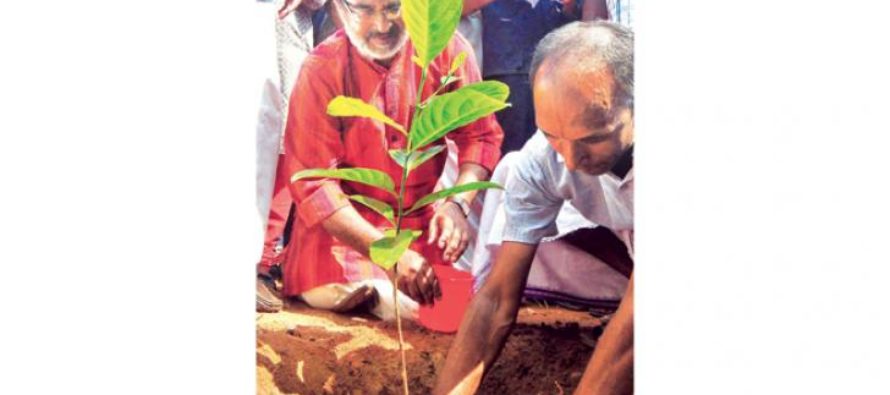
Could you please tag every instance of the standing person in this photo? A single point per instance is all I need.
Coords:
(470, 27)
(620, 11)
(370, 59)
(294, 36)
(582, 76)
(510, 31)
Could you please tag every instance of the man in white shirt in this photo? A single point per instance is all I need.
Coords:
(582, 77)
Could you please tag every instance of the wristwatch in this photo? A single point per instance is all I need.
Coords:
(460, 202)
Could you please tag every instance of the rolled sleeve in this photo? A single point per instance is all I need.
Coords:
(530, 206)
(483, 146)
(320, 204)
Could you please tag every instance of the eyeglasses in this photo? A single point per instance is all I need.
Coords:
(362, 11)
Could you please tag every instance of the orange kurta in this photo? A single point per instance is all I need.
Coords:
(315, 140)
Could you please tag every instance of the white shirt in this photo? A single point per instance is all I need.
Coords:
(540, 184)
(293, 42)
(557, 267)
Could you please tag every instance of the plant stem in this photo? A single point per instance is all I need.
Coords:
(395, 296)
(395, 288)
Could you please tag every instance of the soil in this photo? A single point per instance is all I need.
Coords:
(306, 351)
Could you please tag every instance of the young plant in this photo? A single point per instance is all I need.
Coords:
(430, 25)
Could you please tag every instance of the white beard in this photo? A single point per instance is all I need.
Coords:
(368, 53)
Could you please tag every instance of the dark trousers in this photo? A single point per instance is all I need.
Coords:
(518, 120)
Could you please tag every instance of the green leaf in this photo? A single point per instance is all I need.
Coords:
(390, 232)
(421, 156)
(455, 109)
(414, 159)
(493, 89)
(378, 206)
(457, 62)
(430, 25)
(342, 106)
(372, 177)
(472, 186)
(448, 80)
(401, 157)
(387, 251)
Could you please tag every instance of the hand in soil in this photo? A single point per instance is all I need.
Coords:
(417, 279)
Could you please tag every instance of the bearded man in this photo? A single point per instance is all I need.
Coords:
(370, 59)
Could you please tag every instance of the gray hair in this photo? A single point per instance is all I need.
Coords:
(589, 46)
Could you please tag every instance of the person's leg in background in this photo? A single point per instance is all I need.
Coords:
(294, 41)
(518, 120)
(267, 298)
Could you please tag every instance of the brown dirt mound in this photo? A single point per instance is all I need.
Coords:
(304, 351)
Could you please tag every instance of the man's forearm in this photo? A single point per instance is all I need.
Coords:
(489, 318)
(610, 370)
(470, 172)
(348, 226)
(482, 334)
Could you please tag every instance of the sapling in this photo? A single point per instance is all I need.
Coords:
(430, 25)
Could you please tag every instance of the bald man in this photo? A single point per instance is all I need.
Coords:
(582, 78)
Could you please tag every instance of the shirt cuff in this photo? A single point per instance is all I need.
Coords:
(318, 206)
(527, 236)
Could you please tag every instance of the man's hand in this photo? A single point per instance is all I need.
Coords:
(611, 368)
(488, 320)
(417, 279)
(451, 229)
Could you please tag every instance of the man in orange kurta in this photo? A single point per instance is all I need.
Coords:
(370, 59)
